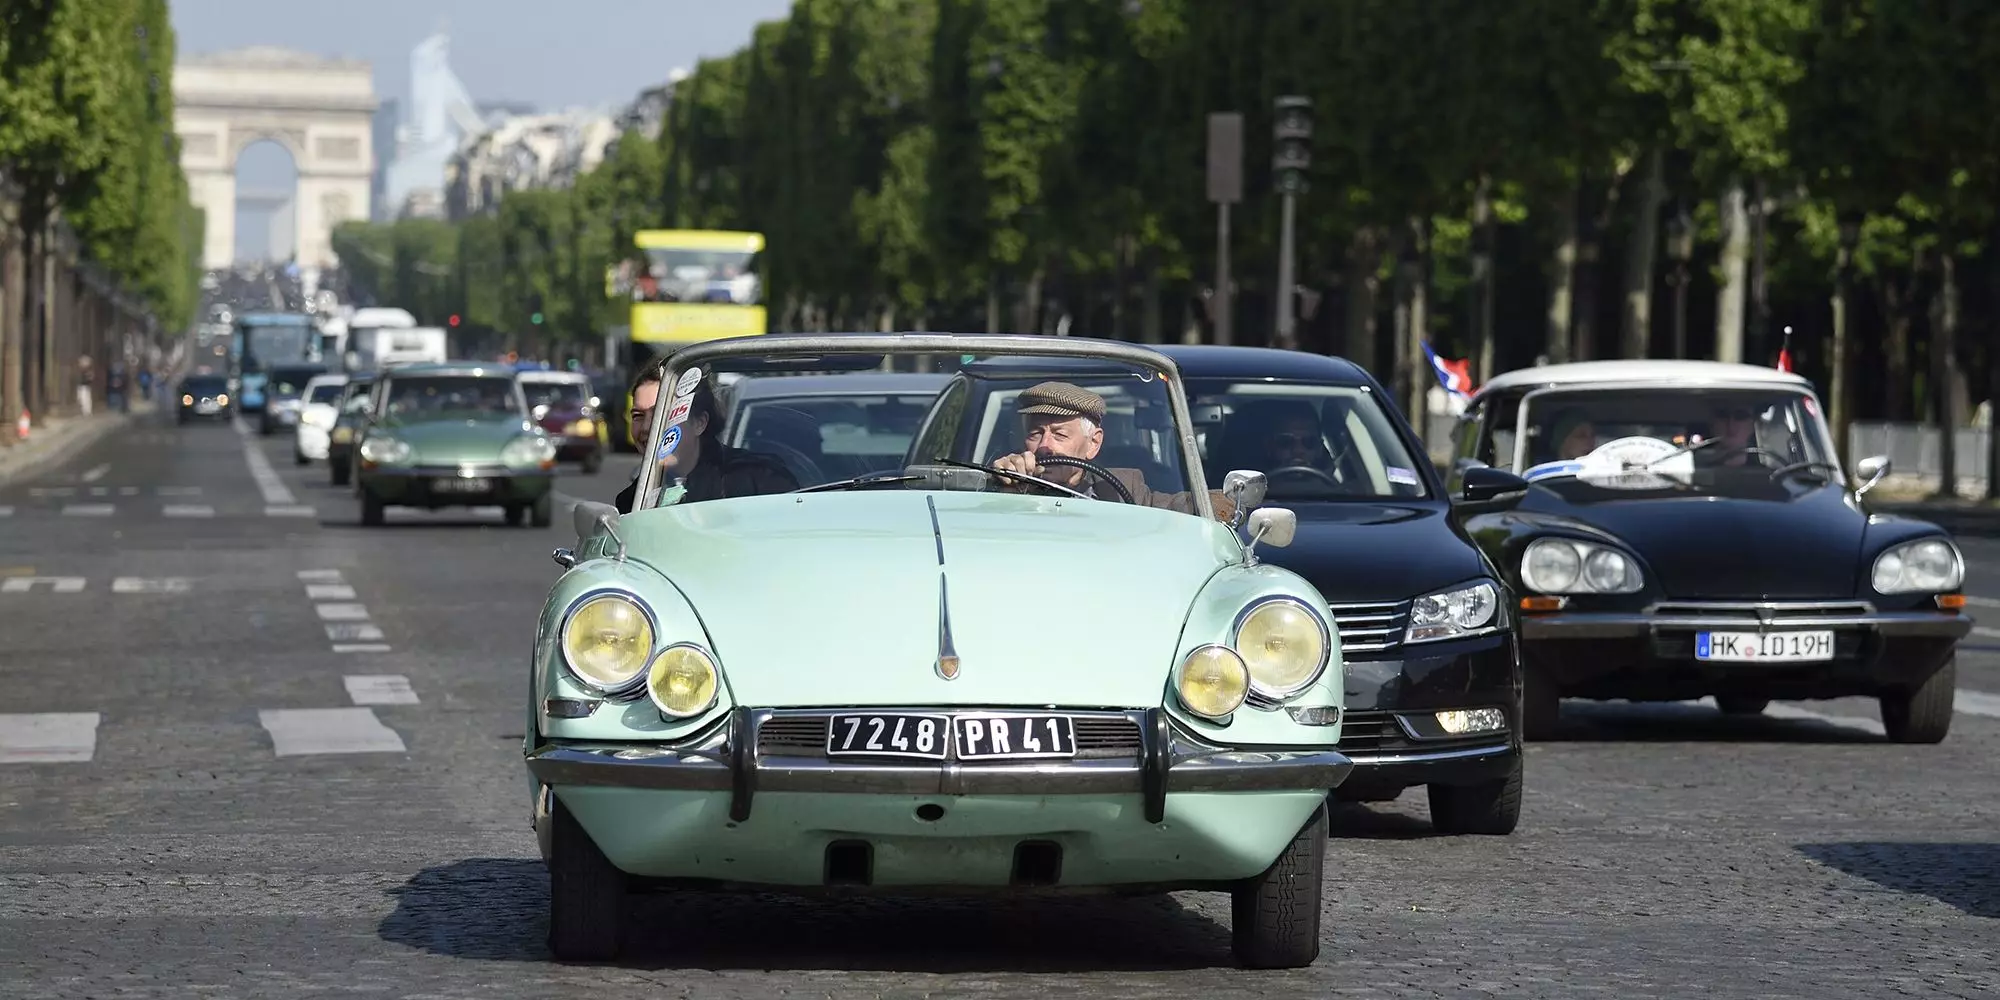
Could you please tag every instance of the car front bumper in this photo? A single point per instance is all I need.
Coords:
(1180, 811)
(1649, 654)
(470, 485)
(314, 442)
(1389, 698)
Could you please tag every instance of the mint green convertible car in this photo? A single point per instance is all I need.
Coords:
(453, 435)
(977, 673)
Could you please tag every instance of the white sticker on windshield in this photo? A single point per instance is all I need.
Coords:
(679, 414)
(1401, 476)
(689, 379)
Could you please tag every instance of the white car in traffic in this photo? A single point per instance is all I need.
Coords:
(317, 412)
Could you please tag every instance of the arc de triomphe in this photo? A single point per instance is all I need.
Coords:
(321, 110)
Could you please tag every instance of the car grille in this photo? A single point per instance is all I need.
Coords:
(1378, 731)
(1370, 630)
(1097, 735)
(1748, 610)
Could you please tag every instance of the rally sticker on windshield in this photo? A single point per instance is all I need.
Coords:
(669, 441)
(679, 414)
(689, 379)
(1401, 476)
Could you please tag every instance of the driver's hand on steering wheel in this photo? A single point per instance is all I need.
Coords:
(1026, 463)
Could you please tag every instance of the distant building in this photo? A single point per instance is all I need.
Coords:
(523, 152)
(441, 113)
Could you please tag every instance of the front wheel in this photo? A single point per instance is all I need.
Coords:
(299, 458)
(1921, 714)
(1274, 917)
(1490, 808)
(1541, 704)
(340, 471)
(586, 893)
(371, 511)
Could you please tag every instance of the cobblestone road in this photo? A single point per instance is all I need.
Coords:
(253, 750)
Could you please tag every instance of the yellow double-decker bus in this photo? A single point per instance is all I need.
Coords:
(688, 286)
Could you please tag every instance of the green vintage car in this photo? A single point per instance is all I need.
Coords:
(941, 678)
(453, 435)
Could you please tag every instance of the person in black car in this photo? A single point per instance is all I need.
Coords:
(711, 470)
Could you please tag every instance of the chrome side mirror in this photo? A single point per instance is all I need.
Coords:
(565, 558)
(1275, 526)
(1245, 488)
(1870, 471)
(589, 517)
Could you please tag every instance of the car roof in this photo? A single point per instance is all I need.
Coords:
(1229, 361)
(860, 383)
(426, 368)
(1663, 371)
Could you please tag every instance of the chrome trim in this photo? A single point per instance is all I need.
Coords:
(1958, 561)
(646, 674)
(947, 659)
(1369, 758)
(1181, 667)
(1410, 731)
(720, 763)
(638, 680)
(1627, 624)
(1494, 623)
(1359, 634)
(1259, 698)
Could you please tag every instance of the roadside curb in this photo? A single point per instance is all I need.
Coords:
(1978, 520)
(53, 445)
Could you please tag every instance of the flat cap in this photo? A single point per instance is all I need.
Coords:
(1063, 400)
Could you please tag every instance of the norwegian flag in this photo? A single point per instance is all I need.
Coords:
(1785, 352)
(1455, 376)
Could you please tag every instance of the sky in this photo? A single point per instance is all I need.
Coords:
(549, 54)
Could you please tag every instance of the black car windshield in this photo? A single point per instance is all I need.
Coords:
(204, 386)
(554, 394)
(1713, 439)
(434, 397)
(1313, 441)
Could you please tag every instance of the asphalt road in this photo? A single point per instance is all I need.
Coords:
(251, 749)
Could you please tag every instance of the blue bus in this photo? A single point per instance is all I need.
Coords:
(262, 341)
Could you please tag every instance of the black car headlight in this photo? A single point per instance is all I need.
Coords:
(1457, 613)
(1927, 565)
(1568, 566)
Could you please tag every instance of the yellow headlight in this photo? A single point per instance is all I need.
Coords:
(682, 681)
(583, 428)
(606, 642)
(1212, 681)
(1284, 645)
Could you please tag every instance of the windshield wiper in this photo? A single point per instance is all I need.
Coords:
(991, 471)
(860, 482)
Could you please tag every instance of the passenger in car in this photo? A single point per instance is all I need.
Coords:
(710, 469)
(1068, 420)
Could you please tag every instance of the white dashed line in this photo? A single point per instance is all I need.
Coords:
(140, 585)
(24, 584)
(1981, 602)
(320, 575)
(179, 491)
(6, 512)
(97, 473)
(88, 509)
(188, 510)
(329, 592)
(299, 732)
(52, 491)
(1986, 633)
(342, 612)
(379, 689)
(1976, 703)
(363, 647)
(291, 510)
(273, 488)
(48, 738)
(1780, 710)
(355, 632)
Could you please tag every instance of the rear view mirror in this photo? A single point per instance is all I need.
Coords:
(1870, 471)
(1245, 488)
(1486, 490)
(1273, 526)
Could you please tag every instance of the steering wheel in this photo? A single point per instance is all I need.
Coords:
(1304, 470)
(1091, 467)
(1775, 458)
(805, 468)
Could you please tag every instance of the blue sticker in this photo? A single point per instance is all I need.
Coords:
(669, 441)
(1402, 476)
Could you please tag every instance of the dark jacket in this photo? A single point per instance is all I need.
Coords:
(725, 472)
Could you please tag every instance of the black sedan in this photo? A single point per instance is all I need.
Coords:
(1689, 533)
(204, 397)
(1426, 623)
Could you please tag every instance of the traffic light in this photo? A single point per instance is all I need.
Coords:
(1294, 155)
(536, 319)
(453, 320)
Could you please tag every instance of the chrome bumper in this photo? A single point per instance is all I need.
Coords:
(1168, 761)
(1631, 624)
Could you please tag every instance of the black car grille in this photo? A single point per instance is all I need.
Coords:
(1370, 630)
(1097, 735)
(1380, 732)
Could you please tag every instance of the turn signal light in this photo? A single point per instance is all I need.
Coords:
(187, 400)
(1539, 603)
(1951, 602)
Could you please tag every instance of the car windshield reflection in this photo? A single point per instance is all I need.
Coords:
(1313, 442)
(1746, 442)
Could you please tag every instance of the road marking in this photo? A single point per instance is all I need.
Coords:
(342, 612)
(188, 510)
(88, 509)
(1986, 633)
(6, 512)
(379, 689)
(1781, 710)
(24, 584)
(329, 591)
(298, 732)
(319, 575)
(1976, 703)
(179, 491)
(353, 632)
(48, 738)
(140, 585)
(290, 510)
(52, 491)
(128, 491)
(273, 488)
(362, 647)
(100, 491)
(17, 571)
(97, 473)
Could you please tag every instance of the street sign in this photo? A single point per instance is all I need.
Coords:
(1225, 157)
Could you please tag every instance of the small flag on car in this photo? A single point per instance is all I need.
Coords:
(1455, 376)
(1785, 352)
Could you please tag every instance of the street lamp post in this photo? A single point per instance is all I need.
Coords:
(1680, 246)
(1225, 188)
(1292, 131)
(1843, 273)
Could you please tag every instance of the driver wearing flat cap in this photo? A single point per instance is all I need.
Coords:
(1067, 420)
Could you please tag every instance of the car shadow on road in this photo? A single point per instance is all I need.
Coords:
(1673, 722)
(496, 909)
(1962, 875)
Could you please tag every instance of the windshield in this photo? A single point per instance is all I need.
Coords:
(845, 435)
(1314, 442)
(1096, 425)
(287, 383)
(433, 397)
(1713, 439)
(555, 394)
(204, 386)
(271, 345)
(681, 275)
(356, 397)
(325, 392)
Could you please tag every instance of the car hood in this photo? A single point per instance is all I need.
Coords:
(1358, 553)
(833, 599)
(1787, 542)
(462, 439)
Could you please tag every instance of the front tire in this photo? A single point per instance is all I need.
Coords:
(586, 893)
(1274, 917)
(1490, 808)
(1741, 705)
(371, 511)
(1541, 704)
(339, 471)
(1922, 714)
(299, 458)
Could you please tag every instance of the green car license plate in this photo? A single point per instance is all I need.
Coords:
(461, 485)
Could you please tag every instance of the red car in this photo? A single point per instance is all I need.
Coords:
(562, 402)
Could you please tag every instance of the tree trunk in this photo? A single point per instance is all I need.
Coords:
(1944, 397)
(12, 385)
(1413, 275)
(1734, 260)
(1635, 328)
(1589, 270)
(1152, 324)
(1757, 339)
(1839, 410)
(1993, 377)
(1899, 313)
(1483, 350)
(1562, 282)
(992, 301)
(1363, 283)
(1121, 280)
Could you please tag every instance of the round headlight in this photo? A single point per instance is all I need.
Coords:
(1284, 645)
(1212, 681)
(606, 642)
(682, 681)
(1605, 570)
(1550, 566)
(528, 449)
(1930, 565)
(384, 450)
